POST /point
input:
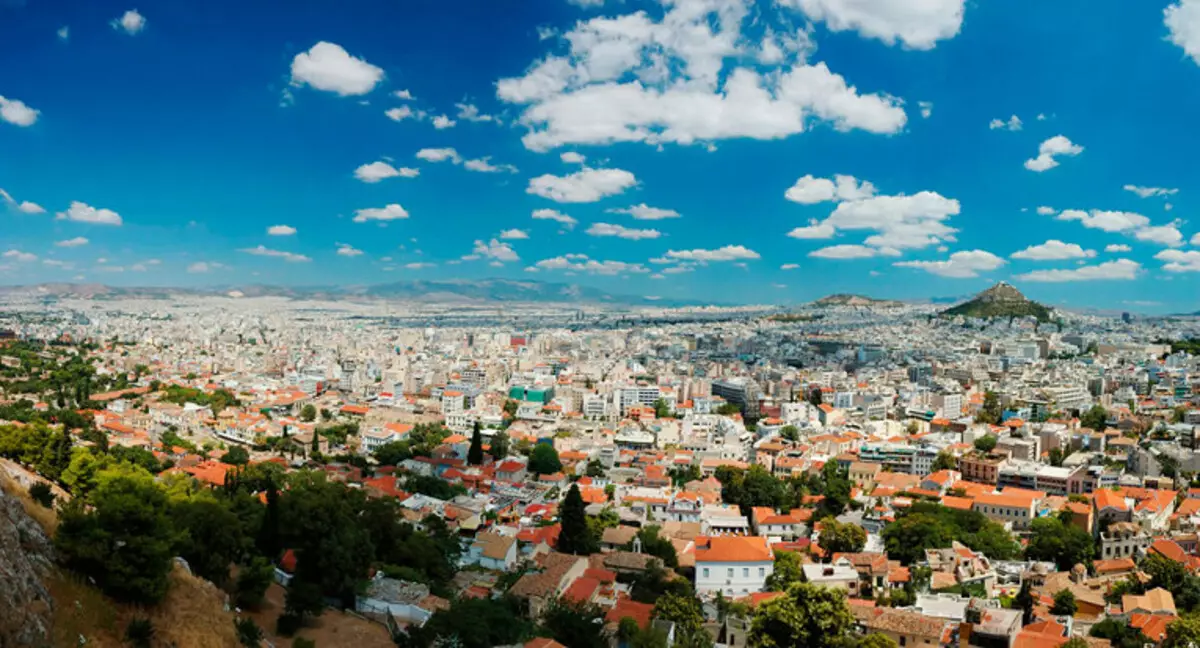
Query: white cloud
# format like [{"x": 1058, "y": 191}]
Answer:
[
  {"x": 620, "y": 231},
  {"x": 917, "y": 24},
  {"x": 682, "y": 79},
  {"x": 1120, "y": 269},
  {"x": 844, "y": 252},
  {"x": 581, "y": 263},
  {"x": 961, "y": 265},
  {"x": 419, "y": 265},
  {"x": 814, "y": 230},
  {"x": 262, "y": 250},
  {"x": 1183, "y": 22},
  {"x": 281, "y": 230},
  {"x": 1179, "y": 260},
  {"x": 84, "y": 213},
  {"x": 347, "y": 250},
  {"x": 726, "y": 253},
  {"x": 439, "y": 155},
  {"x": 926, "y": 109},
  {"x": 809, "y": 190},
  {"x": 199, "y": 267},
  {"x": 376, "y": 171},
  {"x": 1168, "y": 235},
  {"x": 401, "y": 113},
  {"x": 587, "y": 4},
  {"x": 496, "y": 250},
  {"x": 514, "y": 234},
  {"x": 1117, "y": 247},
  {"x": 1150, "y": 192},
  {"x": 327, "y": 66},
  {"x": 72, "y": 242},
  {"x": 1046, "y": 211},
  {"x": 586, "y": 186},
  {"x": 389, "y": 213},
  {"x": 1049, "y": 152},
  {"x": 442, "y": 122},
  {"x": 1053, "y": 250},
  {"x": 64, "y": 33},
  {"x": 1108, "y": 221},
  {"x": 554, "y": 215},
  {"x": 789, "y": 266},
  {"x": 56, "y": 263},
  {"x": 1013, "y": 123},
  {"x": 646, "y": 212},
  {"x": 484, "y": 165},
  {"x": 571, "y": 157},
  {"x": 17, "y": 113},
  {"x": 131, "y": 22},
  {"x": 1195, "y": 239},
  {"x": 471, "y": 113},
  {"x": 24, "y": 207},
  {"x": 17, "y": 255}
]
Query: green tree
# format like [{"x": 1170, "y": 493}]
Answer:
[
  {"x": 685, "y": 612},
  {"x": 807, "y": 615},
  {"x": 1119, "y": 633},
  {"x": 308, "y": 413},
  {"x": 475, "y": 452},
  {"x": 1056, "y": 456},
  {"x": 236, "y": 456},
  {"x": 991, "y": 411},
  {"x": 320, "y": 521},
  {"x": 209, "y": 536},
  {"x": 1064, "y": 603},
  {"x": 595, "y": 469},
  {"x": 252, "y": 582},
  {"x": 790, "y": 432},
  {"x": 124, "y": 541},
  {"x": 1024, "y": 600},
  {"x": 543, "y": 460},
  {"x": 393, "y": 452},
  {"x": 787, "y": 571},
  {"x": 985, "y": 443},
  {"x": 1065, "y": 545},
  {"x": 944, "y": 461},
  {"x": 41, "y": 493},
  {"x": 841, "y": 538},
  {"x": 1183, "y": 632},
  {"x": 575, "y": 624},
  {"x": 248, "y": 632},
  {"x": 575, "y": 537},
  {"x": 654, "y": 544},
  {"x": 875, "y": 640},
  {"x": 140, "y": 633},
  {"x": 499, "y": 446},
  {"x": 493, "y": 622},
  {"x": 1095, "y": 418},
  {"x": 661, "y": 409}
]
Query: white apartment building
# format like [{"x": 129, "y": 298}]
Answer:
[{"x": 733, "y": 565}]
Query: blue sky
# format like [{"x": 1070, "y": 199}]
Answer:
[{"x": 743, "y": 151}]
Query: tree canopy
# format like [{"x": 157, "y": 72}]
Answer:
[{"x": 806, "y": 615}]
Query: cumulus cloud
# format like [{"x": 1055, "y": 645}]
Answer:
[
  {"x": 131, "y": 22},
  {"x": 1168, "y": 235},
  {"x": 916, "y": 24},
  {"x": 1053, "y": 250},
  {"x": 327, "y": 66},
  {"x": 1049, "y": 152},
  {"x": 439, "y": 155},
  {"x": 84, "y": 213},
  {"x": 646, "y": 212},
  {"x": 347, "y": 250},
  {"x": 1117, "y": 247},
  {"x": 1046, "y": 211},
  {"x": 17, "y": 113},
  {"x": 581, "y": 263},
  {"x": 262, "y": 250},
  {"x": 554, "y": 215},
  {"x": 401, "y": 113},
  {"x": 1150, "y": 192},
  {"x": 1108, "y": 221},
  {"x": 18, "y": 255},
  {"x": 24, "y": 207},
  {"x": 1011, "y": 124},
  {"x": 281, "y": 230},
  {"x": 571, "y": 157},
  {"x": 1179, "y": 260},
  {"x": 810, "y": 190},
  {"x": 844, "y": 252},
  {"x": 199, "y": 267},
  {"x": 78, "y": 241},
  {"x": 419, "y": 265},
  {"x": 814, "y": 230},
  {"x": 926, "y": 109},
  {"x": 64, "y": 33},
  {"x": 586, "y": 186},
  {"x": 389, "y": 213},
  {"x": 1183, "y": 24},
  {"x": 789, "y": 266},
  {"x": 1120, "y": 269},
  {"x": 684, "y": 79},
  {"x": 442, "y": 122},
  {"x": 484, "y": 165},
  {"x": 495, "y": 249},
  {"x": 514, "y": 234},
  {"x": 620, "y": 231},
  {"x": 726, "y": 253},
  {"x": 961, "y": 265},
  {"x": 377, "y": 171},
  {"x": 471, "y": 113}
]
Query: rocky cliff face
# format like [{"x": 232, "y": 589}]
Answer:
[{"x": 25, "y": 557}]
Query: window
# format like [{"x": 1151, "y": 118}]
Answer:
[
  {"x": 745, "y": 572},
  {"x": 706, "y": 572},
  {"x": 903, "y": 640},
  {"x": 762, "y": 571},
  {"x": 730, "y": 572}
]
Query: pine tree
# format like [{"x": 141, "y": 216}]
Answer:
[
  {"x": 575, "y": 537},
  {"x": 475, "y": 452}
]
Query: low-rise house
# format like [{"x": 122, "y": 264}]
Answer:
[
  {"x": 838, "y": 575},
  {"x": 733, "y": 565},
  {"x": 911, "y": 629},
  {"x": 492, "y": 550}
]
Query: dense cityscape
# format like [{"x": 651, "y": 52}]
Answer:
[{"x": 850, "y": 472}]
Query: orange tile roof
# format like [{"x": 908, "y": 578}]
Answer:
[{"x": 734, "y": 549}]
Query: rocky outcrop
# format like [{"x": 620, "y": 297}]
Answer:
[{"x": 25, "y": 558}]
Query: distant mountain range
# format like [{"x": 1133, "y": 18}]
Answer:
[
  {"x": 1001, "y": 300},
  {"x": 484, "y": 290},
  {"x": 843, "y": 299}
]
